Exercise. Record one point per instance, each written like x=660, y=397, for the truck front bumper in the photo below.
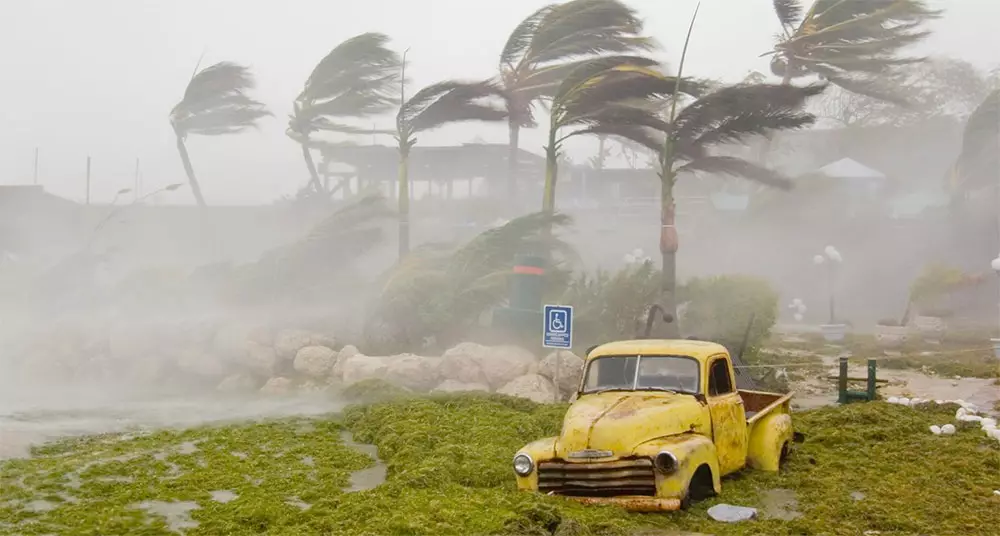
x=634, y=503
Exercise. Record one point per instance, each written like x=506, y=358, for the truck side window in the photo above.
x=719, y=381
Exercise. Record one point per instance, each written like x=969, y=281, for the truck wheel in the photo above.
x=700, y=487
x=786, y=451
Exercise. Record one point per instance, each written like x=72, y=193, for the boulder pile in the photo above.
x=244, y=358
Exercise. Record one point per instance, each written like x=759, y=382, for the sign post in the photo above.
x=558, y=329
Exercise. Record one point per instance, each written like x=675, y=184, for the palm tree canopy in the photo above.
x=848, y=42
x=980, y=159
x=555, y=39
x=612, y=95
x=447, y=102
x=216, y=102
x=358, y=77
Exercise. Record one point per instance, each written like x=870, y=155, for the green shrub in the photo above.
x=608, y=306
x=720, y=307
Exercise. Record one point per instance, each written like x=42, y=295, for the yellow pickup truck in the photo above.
x=655, y=425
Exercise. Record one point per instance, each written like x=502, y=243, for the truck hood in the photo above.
x=620, y=421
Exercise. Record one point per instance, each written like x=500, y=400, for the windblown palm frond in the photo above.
x=553, y=40
x=322, y=255
x=979, y=160
x=216, y=102
x=848, y=42
x=440, y=290
x=359, y=77
x=448, y=102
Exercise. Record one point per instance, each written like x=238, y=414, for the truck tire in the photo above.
x=700, y=487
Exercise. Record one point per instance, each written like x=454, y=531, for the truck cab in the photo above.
x=656, y=424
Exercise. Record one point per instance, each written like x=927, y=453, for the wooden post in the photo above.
x=842, y=382
x=88, y=181
x=871, y=380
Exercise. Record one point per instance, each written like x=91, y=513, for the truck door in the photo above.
x=729, y=425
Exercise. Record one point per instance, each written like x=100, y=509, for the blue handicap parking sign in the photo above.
x=558, y=329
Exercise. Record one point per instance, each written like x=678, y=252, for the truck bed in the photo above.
x=756, y=404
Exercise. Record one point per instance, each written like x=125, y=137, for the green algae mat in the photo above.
x=866, y=467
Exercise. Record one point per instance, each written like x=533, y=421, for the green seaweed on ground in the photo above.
x=863, y=467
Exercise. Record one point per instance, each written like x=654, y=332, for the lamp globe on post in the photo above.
x=833, y=331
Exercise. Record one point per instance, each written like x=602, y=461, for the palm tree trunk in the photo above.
x=668, y=250
x=189, y=170
x=313, y=174
x=514, y=140
x=403, y=192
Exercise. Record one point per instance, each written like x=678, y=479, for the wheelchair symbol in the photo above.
x=557, y=322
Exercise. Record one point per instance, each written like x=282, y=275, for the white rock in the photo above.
x=503, y=364
x=570, y=370
x=893, y=400
x=462, y=363
x=996, y=434
x=414, y=372
x=238, y=383
x=939, y=402
x=728, y=513
x=948, y=429
x=315, y=361
x=363, y=367
x=277, y=386
x=970, y=418
x=903, y=401
x=960, y=413
x=988, y=421
x=260, y=359
x=936, y=430
x=531, y=386
x=452, y=386
x=348, y=351
x=288, y=342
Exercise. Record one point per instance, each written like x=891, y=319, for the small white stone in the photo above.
x=939, y=402
x=936, y=430
x=893, y=400
x=903, y=401
x=948, y=429
x=989, y=422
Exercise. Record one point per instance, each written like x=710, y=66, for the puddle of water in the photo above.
x=40, y=506
x=371, y=477
x=223, y=496
x=298, y=503
x=186, y=448
x=308, y=460
x=28, y=421
x=177, y=514
x=780, y=504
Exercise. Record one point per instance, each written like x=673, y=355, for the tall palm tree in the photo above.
x=550, y=43
x=358, y=78
x=432, y=107
x=606, y=96
x=850, y=43
x=215, y=103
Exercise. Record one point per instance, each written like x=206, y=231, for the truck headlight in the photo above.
x=665, y=462
x=523, y=465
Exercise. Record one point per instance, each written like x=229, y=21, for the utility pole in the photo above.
x=88, y=181
x=35, y=179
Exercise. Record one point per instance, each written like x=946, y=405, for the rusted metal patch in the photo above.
x=633, y=504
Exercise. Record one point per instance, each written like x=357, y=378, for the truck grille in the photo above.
x=608, y=479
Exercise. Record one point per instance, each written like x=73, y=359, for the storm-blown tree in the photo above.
x=215, y=103
x=547, y=45
x=432, y=107
x=850, y=43
x=358, y=78
x=606, y=96
x=979, y=160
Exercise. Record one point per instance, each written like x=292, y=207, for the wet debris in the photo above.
x=728, y=513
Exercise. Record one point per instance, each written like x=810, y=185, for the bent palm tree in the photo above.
x=547, y=45
x=607, y=96
x=357, y=78
x=432, y=107
x=215, y=103
x=850, y=43
x=980, y=159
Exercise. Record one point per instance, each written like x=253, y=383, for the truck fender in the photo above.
x=693, y=452
x=769, y=439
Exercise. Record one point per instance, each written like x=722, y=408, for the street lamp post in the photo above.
x=833, y=331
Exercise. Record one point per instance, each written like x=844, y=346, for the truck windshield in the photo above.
x=637, y=373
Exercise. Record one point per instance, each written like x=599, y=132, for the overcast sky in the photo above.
x=99, y=77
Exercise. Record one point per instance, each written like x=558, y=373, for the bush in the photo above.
x=607, y=307
x=719, y=308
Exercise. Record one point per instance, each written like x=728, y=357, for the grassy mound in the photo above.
x=866, y=467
